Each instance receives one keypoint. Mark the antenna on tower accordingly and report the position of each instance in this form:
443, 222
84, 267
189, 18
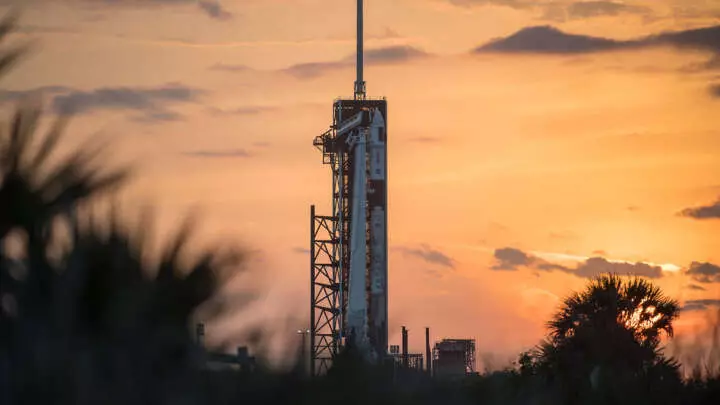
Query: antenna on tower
359, 82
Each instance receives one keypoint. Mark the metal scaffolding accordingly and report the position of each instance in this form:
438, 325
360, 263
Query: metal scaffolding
325, 292
348, 287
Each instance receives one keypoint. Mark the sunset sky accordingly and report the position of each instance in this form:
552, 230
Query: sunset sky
516, 170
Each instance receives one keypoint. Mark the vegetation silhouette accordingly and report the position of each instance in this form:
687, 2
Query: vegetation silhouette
87, 316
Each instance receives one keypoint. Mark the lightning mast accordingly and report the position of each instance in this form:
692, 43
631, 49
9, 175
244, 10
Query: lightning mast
348, 249
359, 82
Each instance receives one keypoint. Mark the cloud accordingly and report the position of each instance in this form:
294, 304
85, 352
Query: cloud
715, 90
379, 56
393, 54
562, 10
510, 259
550, 40
38, 92
315, 69
598, 265
150, 102
711, 211
547, 39
589, 9
695, 287
704, 272
214, 10
233, 153
699, 305
158, 116
211, 8
429, 255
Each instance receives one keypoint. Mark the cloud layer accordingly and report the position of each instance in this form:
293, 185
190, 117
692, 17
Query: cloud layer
711, 211
212, 8
699, 305
511, 259
151, 102
379, 56
550, 40
563, 10
704, 272
429, 255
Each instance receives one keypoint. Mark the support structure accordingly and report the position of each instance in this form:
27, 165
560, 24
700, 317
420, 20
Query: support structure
325, 292
349, 289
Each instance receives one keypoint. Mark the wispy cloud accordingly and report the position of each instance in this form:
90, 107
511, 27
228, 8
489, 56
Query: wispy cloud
512, 259
711, 211
378, 56
214, 10
563, 10
699, 305
429, 255
715, 90
577, 10
550, 40
704, 272
150, 102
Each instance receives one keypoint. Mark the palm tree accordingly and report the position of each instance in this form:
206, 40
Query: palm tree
99, 322
611, 330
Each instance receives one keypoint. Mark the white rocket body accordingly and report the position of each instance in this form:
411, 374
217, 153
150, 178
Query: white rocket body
377, 208
357, 302
367, 313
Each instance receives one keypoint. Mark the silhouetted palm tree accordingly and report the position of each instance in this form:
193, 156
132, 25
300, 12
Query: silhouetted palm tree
611, 331
99, 322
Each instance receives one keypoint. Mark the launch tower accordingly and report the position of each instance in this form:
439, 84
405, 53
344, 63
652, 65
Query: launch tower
349, 249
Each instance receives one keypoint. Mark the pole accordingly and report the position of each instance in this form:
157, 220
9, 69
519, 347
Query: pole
359, 83
405, 347
428, 354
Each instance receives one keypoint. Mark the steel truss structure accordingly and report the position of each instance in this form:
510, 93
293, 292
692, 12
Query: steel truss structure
330, 247
325, 292
349, 248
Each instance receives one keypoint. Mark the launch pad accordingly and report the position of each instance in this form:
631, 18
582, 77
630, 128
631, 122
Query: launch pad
348, 249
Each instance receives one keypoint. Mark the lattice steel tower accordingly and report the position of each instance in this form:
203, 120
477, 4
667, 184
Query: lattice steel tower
348, 249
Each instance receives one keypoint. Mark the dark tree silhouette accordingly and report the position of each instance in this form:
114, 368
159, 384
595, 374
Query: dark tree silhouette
607, 339
97, 322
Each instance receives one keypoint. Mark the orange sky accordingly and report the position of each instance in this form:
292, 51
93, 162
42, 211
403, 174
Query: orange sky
584, 154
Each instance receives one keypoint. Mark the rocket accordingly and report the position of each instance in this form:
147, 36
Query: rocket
357, 302
367, 318
377, 211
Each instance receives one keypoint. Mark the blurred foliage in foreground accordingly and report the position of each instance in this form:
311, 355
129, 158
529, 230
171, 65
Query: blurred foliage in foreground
87, 318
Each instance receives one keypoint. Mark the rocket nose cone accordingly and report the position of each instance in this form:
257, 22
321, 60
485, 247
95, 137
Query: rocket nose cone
378, 119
